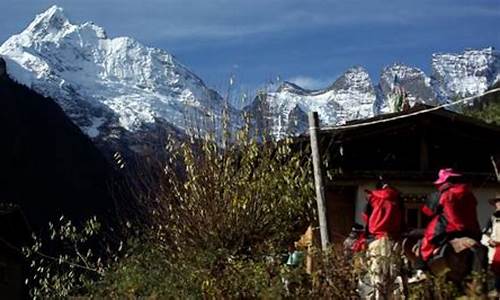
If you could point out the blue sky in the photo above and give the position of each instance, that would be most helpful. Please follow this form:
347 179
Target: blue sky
310 42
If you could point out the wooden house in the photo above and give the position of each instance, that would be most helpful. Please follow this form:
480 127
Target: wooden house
408 152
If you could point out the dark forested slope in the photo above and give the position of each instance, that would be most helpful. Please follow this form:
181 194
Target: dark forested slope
47 165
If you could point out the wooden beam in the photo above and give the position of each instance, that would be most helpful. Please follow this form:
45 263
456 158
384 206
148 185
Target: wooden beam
318 179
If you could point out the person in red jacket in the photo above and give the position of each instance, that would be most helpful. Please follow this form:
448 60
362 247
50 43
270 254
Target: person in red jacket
453 214
383 218
383 213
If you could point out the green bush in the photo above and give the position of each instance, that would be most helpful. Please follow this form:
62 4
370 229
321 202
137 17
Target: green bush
242 195
218 203
208 275
218 211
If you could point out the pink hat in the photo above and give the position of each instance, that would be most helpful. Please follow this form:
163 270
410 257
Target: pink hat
444 174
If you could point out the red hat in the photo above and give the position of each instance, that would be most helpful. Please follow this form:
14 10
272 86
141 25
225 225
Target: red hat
444 174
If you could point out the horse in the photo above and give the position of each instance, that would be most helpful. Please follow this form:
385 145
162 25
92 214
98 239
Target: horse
456 259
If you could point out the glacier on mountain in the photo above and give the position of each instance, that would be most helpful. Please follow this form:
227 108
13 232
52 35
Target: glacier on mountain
351 96
354 96
465 74
118 89
413 80
101 81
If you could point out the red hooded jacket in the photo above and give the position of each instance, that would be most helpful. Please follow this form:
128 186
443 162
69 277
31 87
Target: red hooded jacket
383 213
453 215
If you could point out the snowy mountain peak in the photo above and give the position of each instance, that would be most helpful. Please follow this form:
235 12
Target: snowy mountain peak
351 96
291 87
53 19
357 70
464 74
52 26
410 80
354 96
356 78
106 84
400 71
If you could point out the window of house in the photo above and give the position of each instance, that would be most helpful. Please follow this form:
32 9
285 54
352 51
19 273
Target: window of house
413 216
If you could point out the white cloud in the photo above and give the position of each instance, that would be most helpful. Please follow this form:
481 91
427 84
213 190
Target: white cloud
311 83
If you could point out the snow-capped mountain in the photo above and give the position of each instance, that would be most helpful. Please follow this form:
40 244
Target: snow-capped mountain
110 87
124 94
354 96
351 96
464 74
413 80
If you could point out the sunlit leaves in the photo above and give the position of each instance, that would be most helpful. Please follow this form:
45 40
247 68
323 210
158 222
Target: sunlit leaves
247 191
75 265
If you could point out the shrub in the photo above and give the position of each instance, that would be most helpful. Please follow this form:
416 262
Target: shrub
241 196
74 266
208 275
217 203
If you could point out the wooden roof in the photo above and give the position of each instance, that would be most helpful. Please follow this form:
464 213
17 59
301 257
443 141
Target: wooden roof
411 148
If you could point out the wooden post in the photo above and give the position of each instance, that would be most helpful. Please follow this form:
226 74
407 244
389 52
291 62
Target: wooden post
318 179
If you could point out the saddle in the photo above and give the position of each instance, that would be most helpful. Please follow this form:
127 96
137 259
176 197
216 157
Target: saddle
456 258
